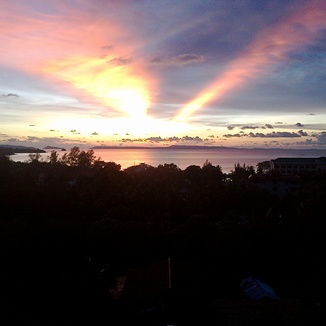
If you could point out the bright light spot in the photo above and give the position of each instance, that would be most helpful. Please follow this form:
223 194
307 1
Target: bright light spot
116 87
131 101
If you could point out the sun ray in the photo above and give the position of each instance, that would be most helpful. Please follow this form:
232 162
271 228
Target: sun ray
270 46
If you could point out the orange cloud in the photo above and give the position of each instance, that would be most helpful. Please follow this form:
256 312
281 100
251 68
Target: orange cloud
122 88
270 46
90 50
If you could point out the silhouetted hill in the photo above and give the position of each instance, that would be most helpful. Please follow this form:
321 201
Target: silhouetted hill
12 149
54 148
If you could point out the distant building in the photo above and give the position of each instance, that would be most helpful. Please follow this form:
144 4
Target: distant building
277 184
298 165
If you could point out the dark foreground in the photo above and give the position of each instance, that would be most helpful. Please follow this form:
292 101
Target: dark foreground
158 246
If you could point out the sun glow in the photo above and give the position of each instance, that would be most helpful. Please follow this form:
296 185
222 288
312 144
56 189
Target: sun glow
116 87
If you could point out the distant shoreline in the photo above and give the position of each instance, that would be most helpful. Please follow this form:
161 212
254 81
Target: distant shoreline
185 147
12 149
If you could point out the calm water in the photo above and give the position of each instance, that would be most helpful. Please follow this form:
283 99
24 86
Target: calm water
226 158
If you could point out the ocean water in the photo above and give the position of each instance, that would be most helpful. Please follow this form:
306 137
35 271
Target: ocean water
226 158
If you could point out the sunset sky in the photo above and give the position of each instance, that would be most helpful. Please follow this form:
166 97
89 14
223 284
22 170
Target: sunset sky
248 73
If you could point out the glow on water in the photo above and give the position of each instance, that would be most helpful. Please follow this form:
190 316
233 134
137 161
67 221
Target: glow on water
226 158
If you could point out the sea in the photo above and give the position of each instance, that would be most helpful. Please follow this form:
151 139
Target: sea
226 158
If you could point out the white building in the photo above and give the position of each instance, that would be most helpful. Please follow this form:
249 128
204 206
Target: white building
298 165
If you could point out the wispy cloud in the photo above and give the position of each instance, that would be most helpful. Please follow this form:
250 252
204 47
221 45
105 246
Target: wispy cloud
269 47
179 60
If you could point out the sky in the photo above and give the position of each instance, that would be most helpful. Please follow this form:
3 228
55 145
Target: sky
241 73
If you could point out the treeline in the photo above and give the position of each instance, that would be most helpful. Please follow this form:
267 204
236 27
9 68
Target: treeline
64 220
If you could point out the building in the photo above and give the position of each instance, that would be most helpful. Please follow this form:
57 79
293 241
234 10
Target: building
299 165
276 184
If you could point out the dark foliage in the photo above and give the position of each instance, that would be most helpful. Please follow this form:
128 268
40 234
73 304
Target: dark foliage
68 228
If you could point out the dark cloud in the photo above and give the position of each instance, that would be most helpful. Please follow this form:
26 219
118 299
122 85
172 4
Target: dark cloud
230 127
179 60
154 139
269 126
249 127
278 134
196 139
298 124
185 59
72 130
120 61
107 47
32 138
159 139
284 134
10 95
129 140
302 133
321 138
233 135
94 133
173 139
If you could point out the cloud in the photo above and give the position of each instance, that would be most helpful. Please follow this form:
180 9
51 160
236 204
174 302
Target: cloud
298 124
249 127
269 126
32 138
302 133
155 139
173 139
120 61
270 46
159 139
107 47
278 134
321 138
179 60
233 135
10 95
195 139
95 133
284 134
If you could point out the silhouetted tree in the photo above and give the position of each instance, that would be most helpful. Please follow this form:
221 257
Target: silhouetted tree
53 158
77 157
34 157
241 172
213 174
263 167
193 174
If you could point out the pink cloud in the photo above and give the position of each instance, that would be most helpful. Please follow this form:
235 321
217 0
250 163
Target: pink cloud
270 46
70 42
